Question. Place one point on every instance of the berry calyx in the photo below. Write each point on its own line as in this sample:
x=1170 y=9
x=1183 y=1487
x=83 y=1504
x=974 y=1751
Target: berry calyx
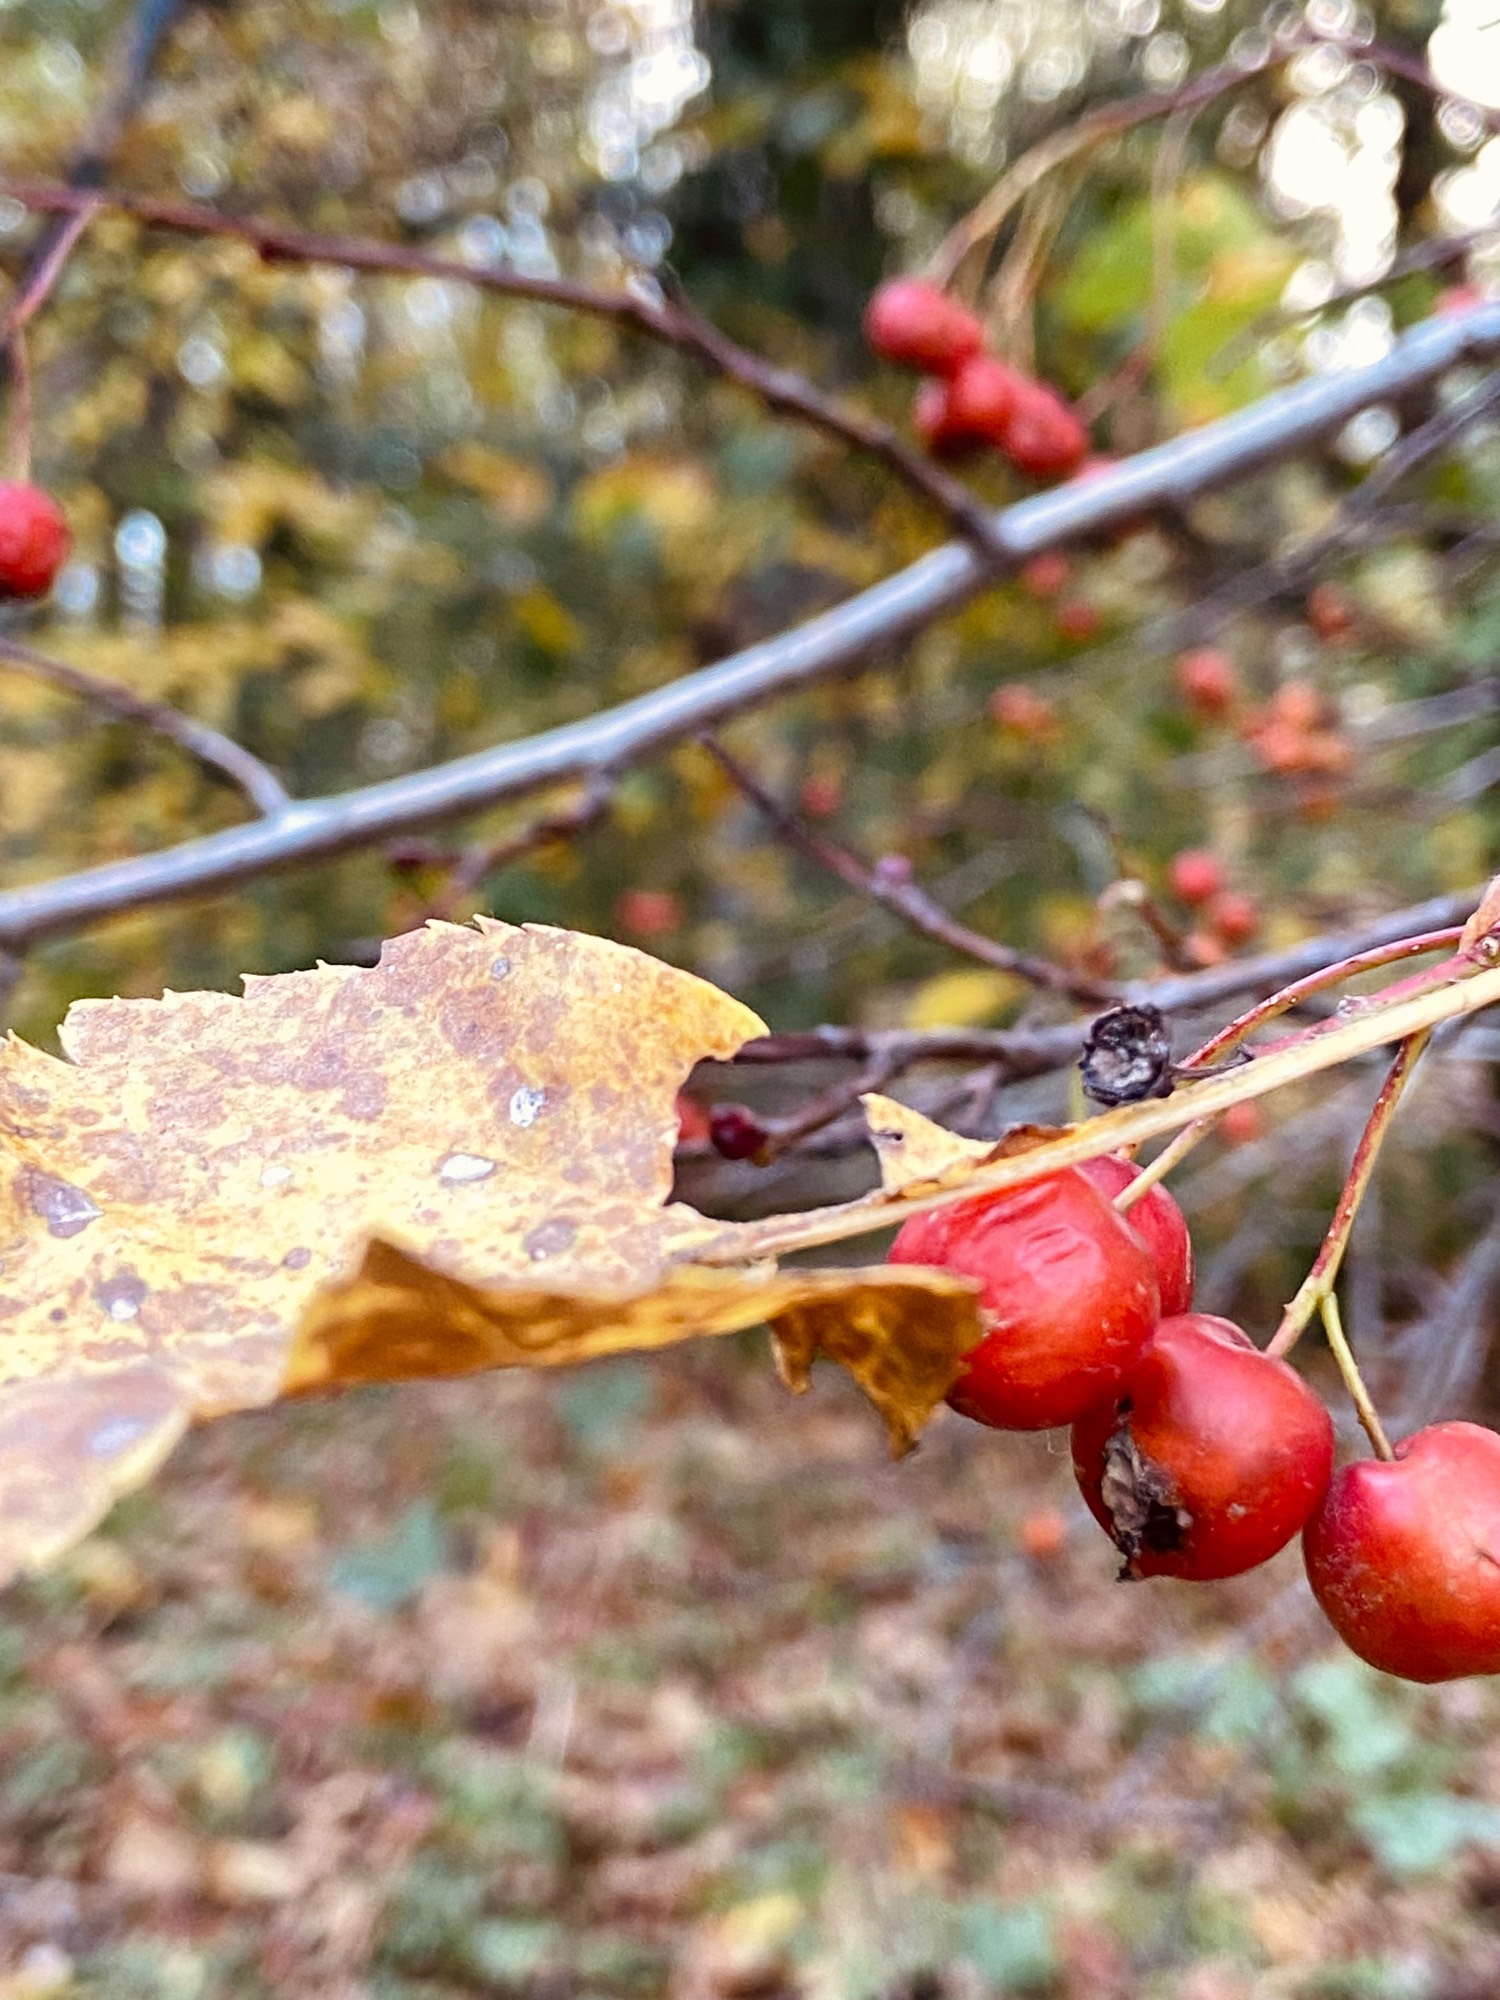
x=917 y=326
x=1068 y=1297
x=1195 y=875
x=1160 y=1224
x=1404 y=1555
x=1211 y=1457
x=34 y=541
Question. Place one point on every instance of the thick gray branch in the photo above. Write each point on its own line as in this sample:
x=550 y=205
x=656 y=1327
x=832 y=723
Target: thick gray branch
x=879 y=619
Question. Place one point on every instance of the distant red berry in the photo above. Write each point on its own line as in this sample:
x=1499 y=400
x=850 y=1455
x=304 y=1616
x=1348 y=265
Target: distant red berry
x=648 y=913
x=917 y=326
x=735 y=1132
x=1022 y=712
x=1042 y=436
x=1207 y=681
x=1233 y=916
x=981 y=396
x=1044 y=1534
x=1242 y=1124
x=822 y=794
x=1045 y=575
x=34 y=541
x=1330 y=612
x=1458 y=299
x=1078 y=621
x=1195 y=875
x=1297 y=704
x=692 y=1120
x=932 y=420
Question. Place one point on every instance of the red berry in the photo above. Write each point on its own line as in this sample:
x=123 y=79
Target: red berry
x=981 y=397
x=1044 y=1534
x=648 y=913
x=1330 y=612
x=692 y=1120
x=735 y=1132
x=1233 y=916
x=1160 y=1224
x=1207 y=681
x=1042 y=436
x=1242 y=1124
x=1458 y=299
x=1067 y=1294
x=932 y=420
x=1404 y=1557
x=1045 y=575
x=822 y=794
x=1195 y=874
x=1078 y=621
x=1021 y=712
x=918 y=326
x=34 y=541
x=1211 y=1457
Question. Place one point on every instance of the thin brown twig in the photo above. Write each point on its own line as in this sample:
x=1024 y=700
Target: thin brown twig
x=468 y=868
x=1094 y=128
x=1317 y=1287
x=889 y=883
x=221 y=753
x=649 y=306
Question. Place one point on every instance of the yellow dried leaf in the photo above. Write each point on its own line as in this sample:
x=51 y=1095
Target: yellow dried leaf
x=459 y=1158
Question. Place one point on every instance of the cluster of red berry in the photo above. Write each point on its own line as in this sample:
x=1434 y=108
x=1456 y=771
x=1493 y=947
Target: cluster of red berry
x=34 y=541
x=1200 y=1456
x=973 y=399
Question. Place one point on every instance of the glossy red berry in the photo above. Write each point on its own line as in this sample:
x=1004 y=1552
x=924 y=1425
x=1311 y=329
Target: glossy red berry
x=1160 y=1224
x=1207 y=681
x=1195 y=875
x=735 y=1132
x=917 y=326
x=1210 y=1458
x=34 y=541
x=1042 y=436
x=1404 y=1557
x=981 y=397
x=1067 y=1294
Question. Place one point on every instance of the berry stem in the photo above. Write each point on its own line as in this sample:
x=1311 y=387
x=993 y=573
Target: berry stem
x=1235 y=1031
x=1354 y=1382
x=1317 y=1287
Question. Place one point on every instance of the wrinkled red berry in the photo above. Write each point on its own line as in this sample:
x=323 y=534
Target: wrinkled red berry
x=1209 y=1459
x=917 y=326
x=1404 y=1557
x=1160 y=1224
x=1067 y=1294
x=34 y=541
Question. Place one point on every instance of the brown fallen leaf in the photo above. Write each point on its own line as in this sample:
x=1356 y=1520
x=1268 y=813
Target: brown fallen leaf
x=459 y=1158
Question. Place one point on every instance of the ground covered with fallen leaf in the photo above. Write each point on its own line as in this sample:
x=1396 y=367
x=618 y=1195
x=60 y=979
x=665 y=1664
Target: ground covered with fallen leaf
x=649 y=1679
